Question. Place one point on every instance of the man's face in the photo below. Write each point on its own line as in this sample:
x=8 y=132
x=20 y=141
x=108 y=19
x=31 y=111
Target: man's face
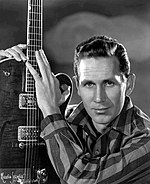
x=102 y=88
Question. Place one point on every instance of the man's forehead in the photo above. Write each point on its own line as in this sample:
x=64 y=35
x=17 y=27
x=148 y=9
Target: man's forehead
x=101 y=66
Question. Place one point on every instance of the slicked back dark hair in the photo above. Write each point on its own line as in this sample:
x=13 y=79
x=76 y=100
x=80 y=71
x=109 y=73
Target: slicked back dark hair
x=102 y=46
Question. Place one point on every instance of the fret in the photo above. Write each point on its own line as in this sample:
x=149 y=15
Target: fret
x=37 y=34
x=31 y=53
x=31 y=84
x=37 y=41
x=31 y=87
x=34 y=47
x=31 y=81
x=35 y=16
x=34 y=20
x=34 y=2
x=30 y=78
x=35 y=26
x=32 y=59
x=33 y=29
x=35 y=5
x=32 y=41
x=34 y=9
x=35 y=23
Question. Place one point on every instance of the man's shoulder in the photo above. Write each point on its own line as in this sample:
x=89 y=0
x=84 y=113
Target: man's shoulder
x=141 y=118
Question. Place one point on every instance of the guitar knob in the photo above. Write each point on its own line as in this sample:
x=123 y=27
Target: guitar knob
x=42 y=176
x=21 y=145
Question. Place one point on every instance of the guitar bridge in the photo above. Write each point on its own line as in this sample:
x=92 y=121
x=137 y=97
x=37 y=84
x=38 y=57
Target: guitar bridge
x=27 y=101
x=28 y=133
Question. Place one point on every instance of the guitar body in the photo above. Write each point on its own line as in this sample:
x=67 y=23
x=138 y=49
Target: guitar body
x=19 y=163
x=10 y=115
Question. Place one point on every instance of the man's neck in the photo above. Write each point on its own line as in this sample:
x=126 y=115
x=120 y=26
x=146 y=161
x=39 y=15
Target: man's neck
x=100 y=127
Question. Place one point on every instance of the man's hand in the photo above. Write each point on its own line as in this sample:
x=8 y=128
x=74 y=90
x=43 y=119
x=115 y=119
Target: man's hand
x=14 y=52
x=47 y=86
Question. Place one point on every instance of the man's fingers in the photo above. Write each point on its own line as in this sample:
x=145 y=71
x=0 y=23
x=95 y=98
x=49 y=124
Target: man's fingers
x=14 y=52
x=43 y=66
x=3 y=53
x=4 y=56
x=19 y=49
x=33 y=72
x=44 y=57
x=22 y=46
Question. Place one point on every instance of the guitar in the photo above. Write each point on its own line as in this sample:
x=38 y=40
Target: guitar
x=23 y=154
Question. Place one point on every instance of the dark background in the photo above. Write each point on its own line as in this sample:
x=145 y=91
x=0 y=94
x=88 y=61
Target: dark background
x=67 y=22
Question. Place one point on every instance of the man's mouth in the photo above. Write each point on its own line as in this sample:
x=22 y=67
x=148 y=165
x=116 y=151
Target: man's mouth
x=100 y=110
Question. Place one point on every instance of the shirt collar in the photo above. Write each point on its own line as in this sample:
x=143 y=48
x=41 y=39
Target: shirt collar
x=121 y=123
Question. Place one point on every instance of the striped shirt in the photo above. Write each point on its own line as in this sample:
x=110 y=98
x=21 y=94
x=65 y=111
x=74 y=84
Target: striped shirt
x=81 y=155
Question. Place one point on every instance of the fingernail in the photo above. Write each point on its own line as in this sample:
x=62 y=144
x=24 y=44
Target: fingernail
x=18 y=59
x=24 y=60
x=37 y=52
x=27 y=63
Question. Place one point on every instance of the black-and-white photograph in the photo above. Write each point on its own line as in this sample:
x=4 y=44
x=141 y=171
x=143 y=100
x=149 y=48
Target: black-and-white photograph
x=74 y=92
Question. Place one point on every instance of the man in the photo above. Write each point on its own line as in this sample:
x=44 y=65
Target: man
x=106 y=139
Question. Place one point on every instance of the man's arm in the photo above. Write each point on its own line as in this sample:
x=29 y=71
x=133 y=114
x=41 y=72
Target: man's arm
x=75 y=167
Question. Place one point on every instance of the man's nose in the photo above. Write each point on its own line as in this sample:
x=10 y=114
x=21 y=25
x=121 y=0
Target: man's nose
x=99 y=94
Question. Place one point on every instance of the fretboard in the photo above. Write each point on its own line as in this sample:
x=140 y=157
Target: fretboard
x=34 y=38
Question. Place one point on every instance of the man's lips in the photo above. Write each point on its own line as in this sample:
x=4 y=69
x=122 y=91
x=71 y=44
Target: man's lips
x=100 y=110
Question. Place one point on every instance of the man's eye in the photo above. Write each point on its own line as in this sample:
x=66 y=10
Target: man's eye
x=109 y=83
x=89 y=84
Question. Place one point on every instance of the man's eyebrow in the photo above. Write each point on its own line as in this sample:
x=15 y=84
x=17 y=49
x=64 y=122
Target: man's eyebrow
x=109 y=79
x=85 y=81
x=88 y=80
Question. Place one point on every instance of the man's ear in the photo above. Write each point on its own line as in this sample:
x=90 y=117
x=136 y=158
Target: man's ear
x=130 y=84
x=77 y=84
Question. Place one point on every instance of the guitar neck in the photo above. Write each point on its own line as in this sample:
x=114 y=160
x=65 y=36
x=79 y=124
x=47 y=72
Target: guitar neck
x=34 y=38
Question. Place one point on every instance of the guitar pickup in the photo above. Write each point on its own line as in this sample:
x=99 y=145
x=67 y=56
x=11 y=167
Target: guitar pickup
x=28 y=133
x=27 y=101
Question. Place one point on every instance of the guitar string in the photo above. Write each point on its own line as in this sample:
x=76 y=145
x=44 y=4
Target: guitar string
x=26 y=152
x=37 y=114
x=28 y=114
x=33 y=37
x=37 y=29
x=37 y=45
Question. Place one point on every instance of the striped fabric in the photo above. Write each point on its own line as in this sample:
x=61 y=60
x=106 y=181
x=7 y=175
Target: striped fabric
x=81 y=155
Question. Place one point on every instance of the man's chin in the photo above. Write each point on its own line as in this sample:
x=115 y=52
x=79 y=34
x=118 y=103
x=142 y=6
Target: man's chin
x=102 y=120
